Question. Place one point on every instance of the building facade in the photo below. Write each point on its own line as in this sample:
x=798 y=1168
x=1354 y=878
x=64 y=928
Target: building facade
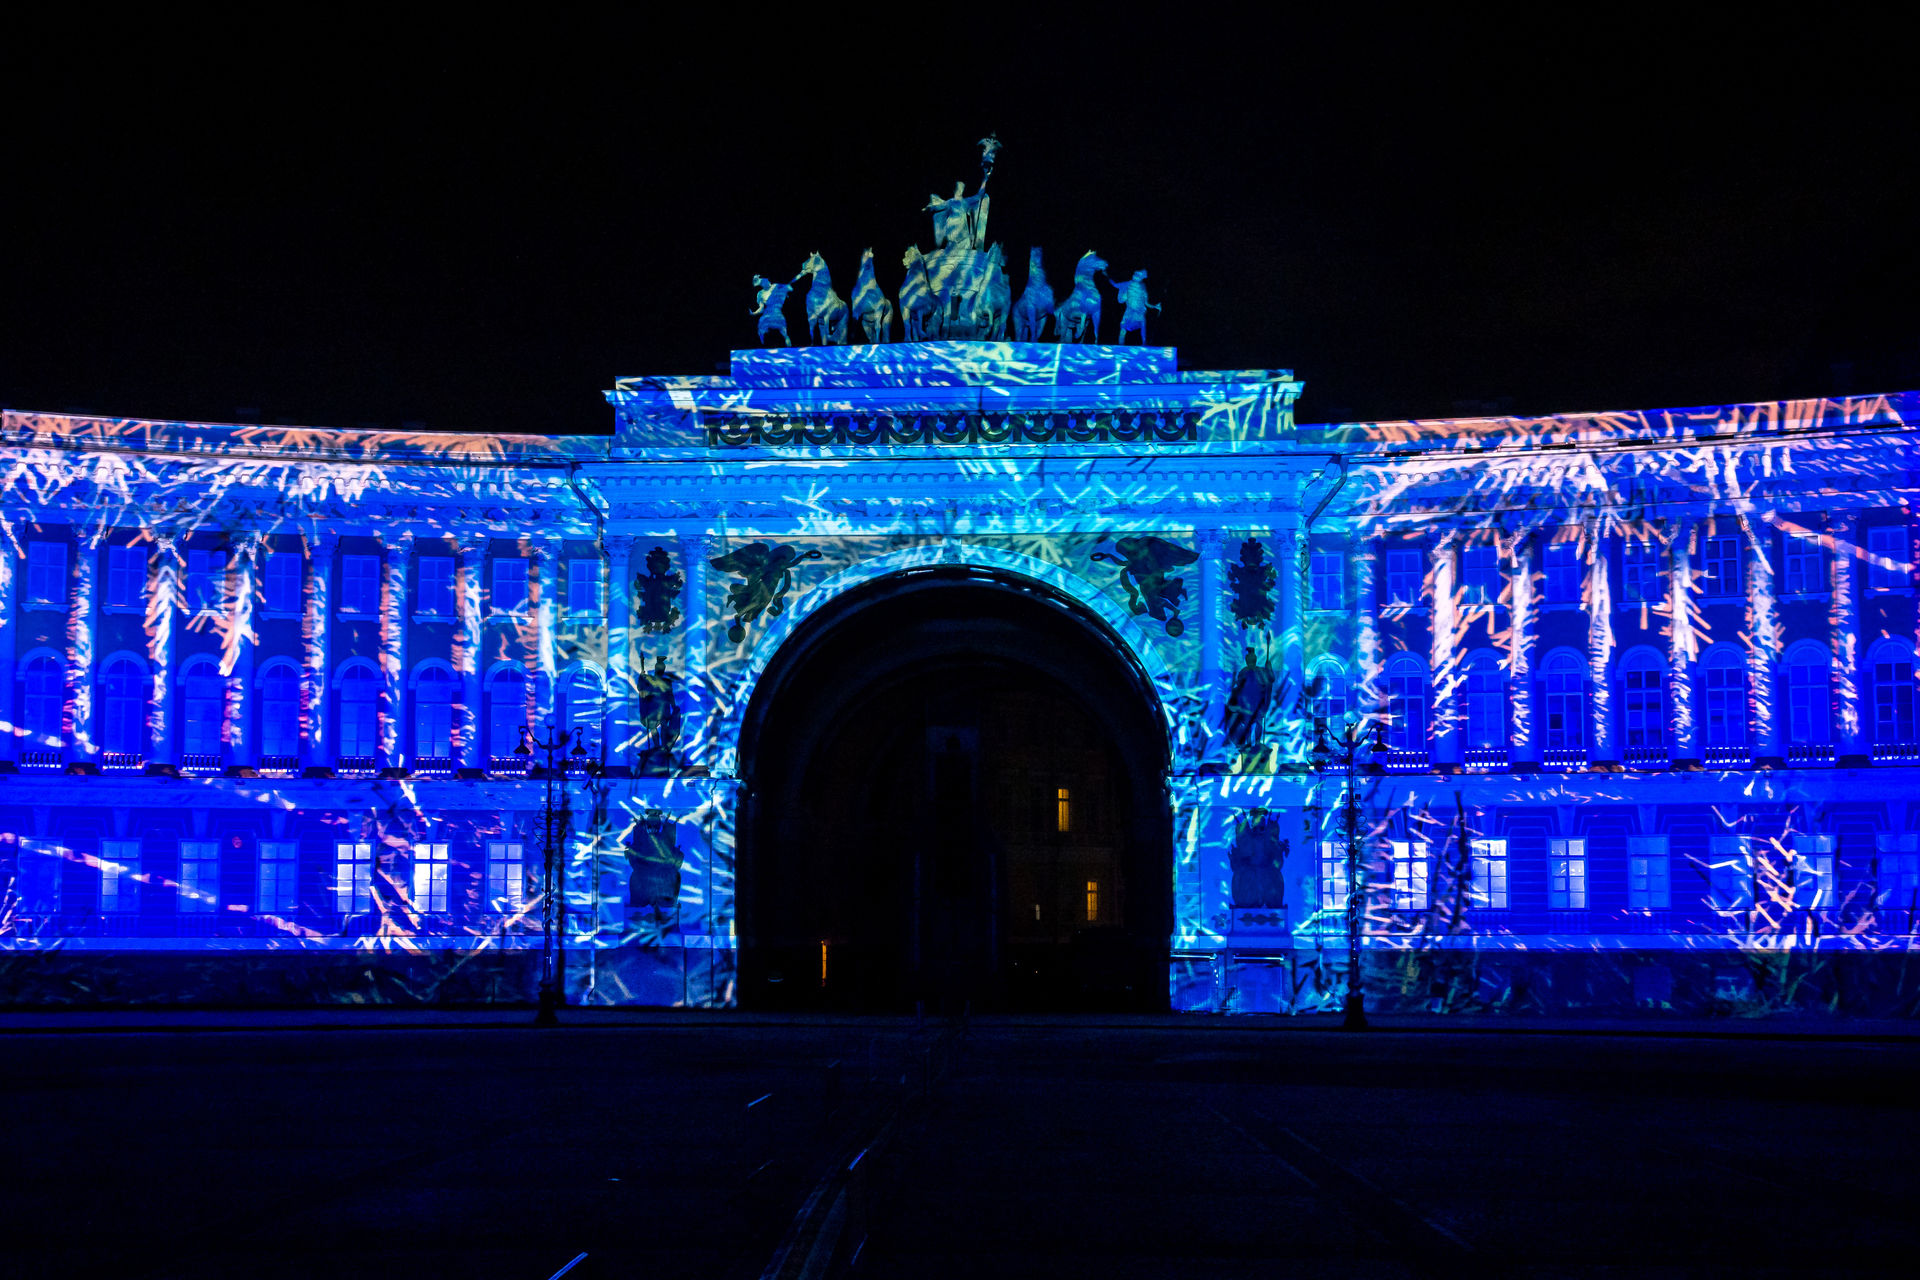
x=968 y=671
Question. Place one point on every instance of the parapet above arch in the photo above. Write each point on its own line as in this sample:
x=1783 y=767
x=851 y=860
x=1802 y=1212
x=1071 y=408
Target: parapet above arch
x=1139 y=647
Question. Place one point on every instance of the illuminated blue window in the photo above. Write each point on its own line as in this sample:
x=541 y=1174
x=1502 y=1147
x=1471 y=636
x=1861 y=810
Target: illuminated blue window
x=205 y=573
x=1403 y=576
x=1648 y=883
x=280 y=710
x=1333 y=875
x=430 y=866
x=1487 y=888
x=509 y=585
x=1330 y=692
x=583 y=586
x=1726 y=699
x=1411 y=870
x=1406 y=706
x=506 y=713
x=1720 y=565
x=358 y=700
x=580 y=707
x=119 y=875
x=1566 y=703
x=352 y=877
x=1480 y=574
x=1646 y=703
x=199 y=875
x=1567 y=875
x=360 y=584
x=433 y=714
x=203 y=707
x=1893 y=690
x=1887 y=566
x=45 y=686
x=1806 y=564
x=282 y=583
x=123 y=707
x=1486 y=698
x=1730 y=874
x=435 y=596
x=1563 y=573
x=1809 y=707
x=506 y=875
x=1640 y=572
x=279 y=877
x=1327 y=579
x=1813 y=878
x=126 y=577
x=47 y=573
x=1898 y=872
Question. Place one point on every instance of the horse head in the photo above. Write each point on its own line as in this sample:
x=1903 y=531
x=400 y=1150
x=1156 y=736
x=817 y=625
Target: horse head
x=1089 y=263
x=1033 y=264
x=815 y=264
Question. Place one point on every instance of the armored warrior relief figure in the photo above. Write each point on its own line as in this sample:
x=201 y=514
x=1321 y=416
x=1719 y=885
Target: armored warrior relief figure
x=1134 y=304
x=769 y=301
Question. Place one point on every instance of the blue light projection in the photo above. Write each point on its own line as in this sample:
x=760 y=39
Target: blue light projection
x=1645 y=680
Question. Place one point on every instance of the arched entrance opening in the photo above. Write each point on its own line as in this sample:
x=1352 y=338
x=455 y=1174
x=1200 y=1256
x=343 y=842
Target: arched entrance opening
x=955 y=793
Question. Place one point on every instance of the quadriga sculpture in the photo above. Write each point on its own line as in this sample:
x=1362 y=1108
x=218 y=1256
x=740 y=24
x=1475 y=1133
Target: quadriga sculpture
x=870 y=303
x=1035 y=308
x=826 y=310
x=1077 y=318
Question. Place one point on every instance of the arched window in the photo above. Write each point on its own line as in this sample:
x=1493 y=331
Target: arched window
x=1406 y=682
x=1330 y=692
x=506 y=712
x=46 y=696
x=433 y=713
x=1809 y=704
x=1893 y=700
x=1645 y=703
x=1726 y=699
x=203 y=707
x=359 y=694
x=123 y=707
x=280 y=710
x=581 y=706
x=1485 y=687
x=1566 y=703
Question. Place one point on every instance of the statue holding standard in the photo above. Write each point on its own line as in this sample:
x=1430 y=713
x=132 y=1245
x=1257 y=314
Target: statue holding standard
x=1134 y=306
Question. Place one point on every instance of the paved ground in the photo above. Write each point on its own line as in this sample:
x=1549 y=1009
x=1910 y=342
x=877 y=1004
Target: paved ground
x=1031 y=1148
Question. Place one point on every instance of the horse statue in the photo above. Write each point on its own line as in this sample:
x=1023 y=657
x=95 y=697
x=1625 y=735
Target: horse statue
x=994 y=300
x=1077 y=318
x=916 y=296
x=870 y=304
x=1133 y=300
x=826 y=310
x=1035 y=307
x=770 y=301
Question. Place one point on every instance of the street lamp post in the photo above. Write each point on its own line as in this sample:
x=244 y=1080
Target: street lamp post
x=1346 y=756
x=554 y=748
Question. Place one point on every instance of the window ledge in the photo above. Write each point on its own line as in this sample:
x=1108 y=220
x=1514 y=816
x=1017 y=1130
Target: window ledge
x=435 y=617
x=124 y=609
x=509 y=615
x=278 y=615
x=42 y=606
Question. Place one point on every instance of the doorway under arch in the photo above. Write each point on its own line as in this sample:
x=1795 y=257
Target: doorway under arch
x=955 y=794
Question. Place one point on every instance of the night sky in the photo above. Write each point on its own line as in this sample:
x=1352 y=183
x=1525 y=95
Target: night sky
x=479 y=227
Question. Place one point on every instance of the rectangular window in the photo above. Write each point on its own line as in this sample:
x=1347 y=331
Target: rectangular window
x=1093 y=901
x=352 y=877
x=126 y=577
x=119 y=875
x=1563 y=572
x=435 y=597
x=1567 y=875
x=47 y=573
x=282 y=586
x=509 y=585
x=1489 y=884
x=506 y=875
x=1333 y=875
x=1640 y=572
x=199 y=875
x=1898 y=875
x=1806 y=566
x=1327 y=573
x=583 y=587
x=1888 y=566
x=39 y=875
x=1063 y=810
x=1720 y=565
x=1480 y=574
x=1730 y=873
x=1813 y=872
x=279 y=877
x=1403 y=576
x=360 y=584
x=430 y=878
x=1411 y=871
x=1647 y=881
x=206 y=573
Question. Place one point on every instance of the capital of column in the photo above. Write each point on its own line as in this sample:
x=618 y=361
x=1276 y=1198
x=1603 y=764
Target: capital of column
x=398 y=546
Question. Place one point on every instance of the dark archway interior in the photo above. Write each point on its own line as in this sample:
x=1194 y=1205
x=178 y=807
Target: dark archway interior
x=955 y=794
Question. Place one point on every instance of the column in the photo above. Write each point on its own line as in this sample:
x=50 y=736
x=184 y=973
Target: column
x=1682 y=648
x=165 y=608
x=617 y=735
x=239 y=658
x=696 y=699
x=1286 y=544
x=1601 y=713
x=1368 y=694
x=1443 y=659
x=1763 y=652
x=9 y=619
x=472 y=556
x=546 y=564
x=393 y=648
x=316 y=751
x=1208 y=542
x=1843 y=623
x=83 y=625
x=1526 y=729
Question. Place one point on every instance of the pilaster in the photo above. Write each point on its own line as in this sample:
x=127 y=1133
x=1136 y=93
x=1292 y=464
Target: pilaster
x=1602 y=716
x=546 y=567
x=1208 y=543
x=166 y=605
x=617 y=731
x=315 y=748
x=1682 y=647
x=9 y=740
x=1843 y=623
x=242 y=646
x=1520 y=640
x=468 y=729
x=1443 y=660
x=398 y=553
x=1368 y=692
x=1763 y=651
x=696 y=696
x=83 y=627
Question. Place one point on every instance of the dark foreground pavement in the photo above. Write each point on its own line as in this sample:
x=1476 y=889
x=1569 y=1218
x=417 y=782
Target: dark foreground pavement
x=721 y=1148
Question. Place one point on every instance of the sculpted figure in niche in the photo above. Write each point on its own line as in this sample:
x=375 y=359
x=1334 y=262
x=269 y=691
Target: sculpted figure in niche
x=1247 y=704
x=1252 y=581
x=765 y=573
x=1259 y=856
x=653 y=865
x=659 y=718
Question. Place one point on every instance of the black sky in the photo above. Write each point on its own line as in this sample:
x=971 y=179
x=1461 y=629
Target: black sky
x=479 y=225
